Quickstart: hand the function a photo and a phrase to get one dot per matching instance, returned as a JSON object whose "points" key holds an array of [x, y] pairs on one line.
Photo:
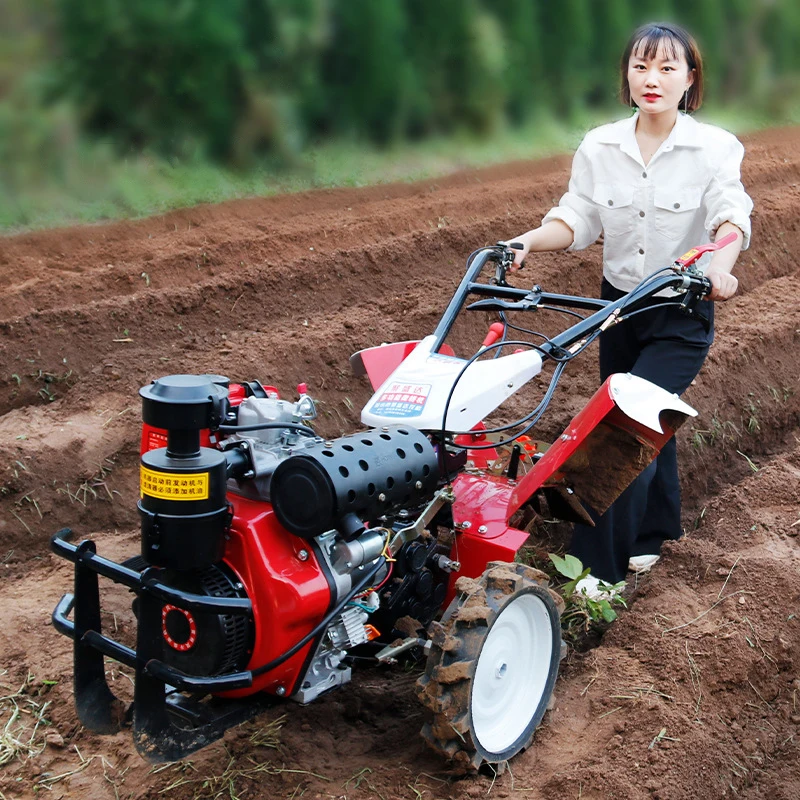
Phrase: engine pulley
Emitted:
{"points": [[201, 643], [365, 475]]}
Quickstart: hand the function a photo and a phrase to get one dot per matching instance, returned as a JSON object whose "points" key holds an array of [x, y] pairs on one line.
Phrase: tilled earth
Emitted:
{"points": [[693, 693]]}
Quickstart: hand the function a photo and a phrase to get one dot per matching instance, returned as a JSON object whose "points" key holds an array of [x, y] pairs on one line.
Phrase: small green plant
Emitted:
{"points": [[583, 613], [49, 381], [22, 721], [751, 412], [718, 432], [781, 394], [89, 488]]}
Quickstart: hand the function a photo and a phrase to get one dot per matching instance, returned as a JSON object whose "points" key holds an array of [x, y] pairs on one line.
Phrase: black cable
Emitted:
{"points": [[529, 331], [510, 325], [467, 365], [562, 311], [649, 279], [506, 326], [263, 426], [534, 417], [648, 308], [477, 355], [536, 414], [471, 256], [443, 430], [326, 620]]}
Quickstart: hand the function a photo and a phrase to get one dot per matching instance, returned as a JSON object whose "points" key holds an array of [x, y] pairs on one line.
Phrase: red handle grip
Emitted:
{"points": [[687, 259], [496, 330]]}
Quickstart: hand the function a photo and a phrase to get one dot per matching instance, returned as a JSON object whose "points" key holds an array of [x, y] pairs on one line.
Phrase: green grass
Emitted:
{"points": [[87, 182]]}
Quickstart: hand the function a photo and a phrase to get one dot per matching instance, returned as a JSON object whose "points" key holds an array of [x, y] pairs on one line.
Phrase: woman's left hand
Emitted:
{"points": [[723, 284]]}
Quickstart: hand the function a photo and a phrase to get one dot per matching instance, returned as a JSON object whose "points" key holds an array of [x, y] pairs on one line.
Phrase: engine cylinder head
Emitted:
{"points": [[365, 474]]}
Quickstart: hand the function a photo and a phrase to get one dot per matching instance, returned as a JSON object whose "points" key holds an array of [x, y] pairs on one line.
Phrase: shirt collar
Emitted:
{"points": [[623, 133]]}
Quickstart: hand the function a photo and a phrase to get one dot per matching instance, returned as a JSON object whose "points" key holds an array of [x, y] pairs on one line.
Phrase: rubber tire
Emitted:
{"points": [[456, 644]]}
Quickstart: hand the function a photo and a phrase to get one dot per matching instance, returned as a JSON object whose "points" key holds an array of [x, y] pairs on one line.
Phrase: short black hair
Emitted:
{"points": [[646, 40]]}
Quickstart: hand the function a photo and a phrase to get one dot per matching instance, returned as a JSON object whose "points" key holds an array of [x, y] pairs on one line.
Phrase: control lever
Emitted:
{"points": [[506, 261], [688, 258], [528, 303]]}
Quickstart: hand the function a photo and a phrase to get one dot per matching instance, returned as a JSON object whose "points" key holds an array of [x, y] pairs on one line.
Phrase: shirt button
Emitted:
{"points": [[676, 205], [611, 202], [641, 252], [644, 174], [641, 213]]}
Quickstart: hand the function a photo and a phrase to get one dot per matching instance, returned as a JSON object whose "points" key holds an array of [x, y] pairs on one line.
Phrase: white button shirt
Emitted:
{"points": [[651, 214]]}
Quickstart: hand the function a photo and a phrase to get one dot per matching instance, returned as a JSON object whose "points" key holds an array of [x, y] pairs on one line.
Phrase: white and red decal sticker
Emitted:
{"points": [[402, 400]]}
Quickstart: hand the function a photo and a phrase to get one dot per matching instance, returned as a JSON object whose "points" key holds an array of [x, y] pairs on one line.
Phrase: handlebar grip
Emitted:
{"points": [[726, 240], [496, 330], [687, 259]]}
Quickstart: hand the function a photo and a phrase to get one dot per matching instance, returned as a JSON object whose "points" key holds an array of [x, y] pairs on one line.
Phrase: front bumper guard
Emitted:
{"points": [[167, 725]]}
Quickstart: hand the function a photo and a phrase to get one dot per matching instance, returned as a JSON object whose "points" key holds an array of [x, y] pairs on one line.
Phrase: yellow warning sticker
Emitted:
{"points": [[172, 486]]}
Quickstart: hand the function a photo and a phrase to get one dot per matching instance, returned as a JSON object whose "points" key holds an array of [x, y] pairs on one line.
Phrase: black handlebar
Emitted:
{"points": [[500, 296]]}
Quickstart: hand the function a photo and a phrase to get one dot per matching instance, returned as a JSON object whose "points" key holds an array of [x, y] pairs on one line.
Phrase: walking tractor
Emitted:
{"points": [[271, 558]]}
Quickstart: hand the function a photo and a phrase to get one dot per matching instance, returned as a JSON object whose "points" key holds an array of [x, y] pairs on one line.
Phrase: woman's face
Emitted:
{"points": [[658, 84]]}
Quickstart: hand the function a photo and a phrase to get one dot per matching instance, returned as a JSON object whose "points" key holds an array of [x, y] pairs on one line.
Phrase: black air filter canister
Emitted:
{"points": [[366, 474], [183, 508]]}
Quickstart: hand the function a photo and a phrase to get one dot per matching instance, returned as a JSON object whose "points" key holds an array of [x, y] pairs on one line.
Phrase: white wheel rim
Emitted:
{"points": [[511, 673]]}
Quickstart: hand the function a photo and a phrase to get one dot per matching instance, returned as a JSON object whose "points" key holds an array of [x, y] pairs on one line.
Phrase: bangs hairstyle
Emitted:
{"points": [[678, 44]]}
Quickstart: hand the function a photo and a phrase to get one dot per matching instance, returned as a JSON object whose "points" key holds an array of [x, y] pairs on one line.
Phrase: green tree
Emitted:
{"points": [[524, 77], [782, 34], [653, 11], [483, 97], [439, 52], [366, 71], [567, 49], [156, 73], [742, 53], [612, 25], [704, 21], [284, 95]]}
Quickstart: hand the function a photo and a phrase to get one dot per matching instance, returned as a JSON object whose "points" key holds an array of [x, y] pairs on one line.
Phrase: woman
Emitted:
{"points": [[654, 185]]}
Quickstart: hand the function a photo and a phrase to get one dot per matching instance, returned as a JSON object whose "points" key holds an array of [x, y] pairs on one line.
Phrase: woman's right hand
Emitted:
{"points": [[521, 250], [554, 235]]}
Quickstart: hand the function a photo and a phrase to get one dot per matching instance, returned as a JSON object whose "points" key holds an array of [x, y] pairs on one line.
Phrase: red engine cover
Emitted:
{"points": [[289, 592]]}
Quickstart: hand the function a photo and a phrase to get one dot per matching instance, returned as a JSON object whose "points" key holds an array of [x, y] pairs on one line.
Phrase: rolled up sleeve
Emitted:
{"points": [[575, 208], [725, 199]]}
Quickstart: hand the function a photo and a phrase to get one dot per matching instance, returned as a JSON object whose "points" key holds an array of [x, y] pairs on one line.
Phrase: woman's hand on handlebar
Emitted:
{"points": [[520, 250], [553, 235], [729, 240], [723, 284]]}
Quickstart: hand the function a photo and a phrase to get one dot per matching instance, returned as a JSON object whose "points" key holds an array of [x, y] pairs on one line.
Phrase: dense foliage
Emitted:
{"points": [[236, 76]]}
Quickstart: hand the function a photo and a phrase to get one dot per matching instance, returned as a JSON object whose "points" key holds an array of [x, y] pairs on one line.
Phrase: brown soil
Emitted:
{"points": [[693, 692]]}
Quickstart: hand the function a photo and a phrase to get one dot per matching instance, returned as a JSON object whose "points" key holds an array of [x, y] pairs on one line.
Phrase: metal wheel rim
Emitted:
{"points": [[511, 674]]}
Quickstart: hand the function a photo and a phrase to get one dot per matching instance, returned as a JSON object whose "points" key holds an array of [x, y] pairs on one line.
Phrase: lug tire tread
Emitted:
{"points": [[444, 688]]}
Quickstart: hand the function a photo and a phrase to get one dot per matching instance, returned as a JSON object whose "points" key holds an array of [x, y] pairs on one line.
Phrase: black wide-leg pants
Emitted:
{"points": [[665, 347]]}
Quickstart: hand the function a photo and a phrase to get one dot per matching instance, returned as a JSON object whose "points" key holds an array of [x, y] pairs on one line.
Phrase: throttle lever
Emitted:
{"points": [[688, 258], [527, 303]]}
